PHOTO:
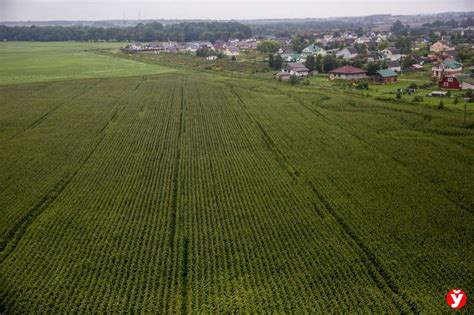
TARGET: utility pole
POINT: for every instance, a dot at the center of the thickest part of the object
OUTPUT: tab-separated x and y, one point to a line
465	114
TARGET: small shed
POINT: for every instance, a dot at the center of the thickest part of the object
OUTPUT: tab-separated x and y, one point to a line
385	76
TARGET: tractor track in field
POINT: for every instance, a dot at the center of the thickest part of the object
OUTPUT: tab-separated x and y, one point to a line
173	244
382	279
48	113
14	235
378	150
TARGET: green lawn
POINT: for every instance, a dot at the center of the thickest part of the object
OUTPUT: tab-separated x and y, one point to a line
389	91
34	62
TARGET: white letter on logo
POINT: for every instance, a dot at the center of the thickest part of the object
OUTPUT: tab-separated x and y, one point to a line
456	298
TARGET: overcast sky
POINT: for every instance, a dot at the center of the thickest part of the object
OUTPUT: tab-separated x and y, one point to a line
42	10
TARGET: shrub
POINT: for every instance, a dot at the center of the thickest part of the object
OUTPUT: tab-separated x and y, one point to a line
294	80
441	105
399	95
413	86
417	98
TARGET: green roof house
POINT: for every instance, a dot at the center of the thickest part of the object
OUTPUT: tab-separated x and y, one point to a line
446	68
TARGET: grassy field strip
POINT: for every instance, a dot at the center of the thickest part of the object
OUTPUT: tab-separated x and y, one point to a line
38	62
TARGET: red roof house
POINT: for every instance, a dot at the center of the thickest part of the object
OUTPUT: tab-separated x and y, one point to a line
347	73
450	83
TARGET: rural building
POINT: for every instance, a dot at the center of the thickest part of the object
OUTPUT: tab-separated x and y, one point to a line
291	57
385	76
373	57
286	51
192	47
449	55
137	46
313	50
231	51
219	45
295	68
395	66
347	53
392	53
450	83
467	81
441	46
282	76
347	73
446	68
416	67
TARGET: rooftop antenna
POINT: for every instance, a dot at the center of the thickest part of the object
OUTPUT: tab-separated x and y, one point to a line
139	16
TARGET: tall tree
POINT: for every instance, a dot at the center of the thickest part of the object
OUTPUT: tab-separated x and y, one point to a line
271	61
298	43
278	62
268	46
310	63
329	62
318	64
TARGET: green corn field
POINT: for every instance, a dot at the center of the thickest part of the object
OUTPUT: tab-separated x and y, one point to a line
188	192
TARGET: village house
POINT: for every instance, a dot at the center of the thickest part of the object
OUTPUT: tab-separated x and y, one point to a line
313	50
282	76
373	57
363	40
446	68
231	51
467	81
136	46
219	45
392	53
450	83
347	53
295	68
291	57
192	47
385	76
156	46
441	46
286	51
449	55
347	73
415	67
395	66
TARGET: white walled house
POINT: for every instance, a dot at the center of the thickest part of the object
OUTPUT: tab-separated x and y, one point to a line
295	68
347	53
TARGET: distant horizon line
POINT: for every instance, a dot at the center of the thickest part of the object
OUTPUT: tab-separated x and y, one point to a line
250	19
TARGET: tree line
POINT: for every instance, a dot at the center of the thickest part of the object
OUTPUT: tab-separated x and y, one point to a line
182	32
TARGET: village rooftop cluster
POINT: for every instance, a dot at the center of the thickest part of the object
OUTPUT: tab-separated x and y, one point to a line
378	56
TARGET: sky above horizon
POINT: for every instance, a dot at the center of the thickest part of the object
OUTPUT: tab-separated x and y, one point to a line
49	10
